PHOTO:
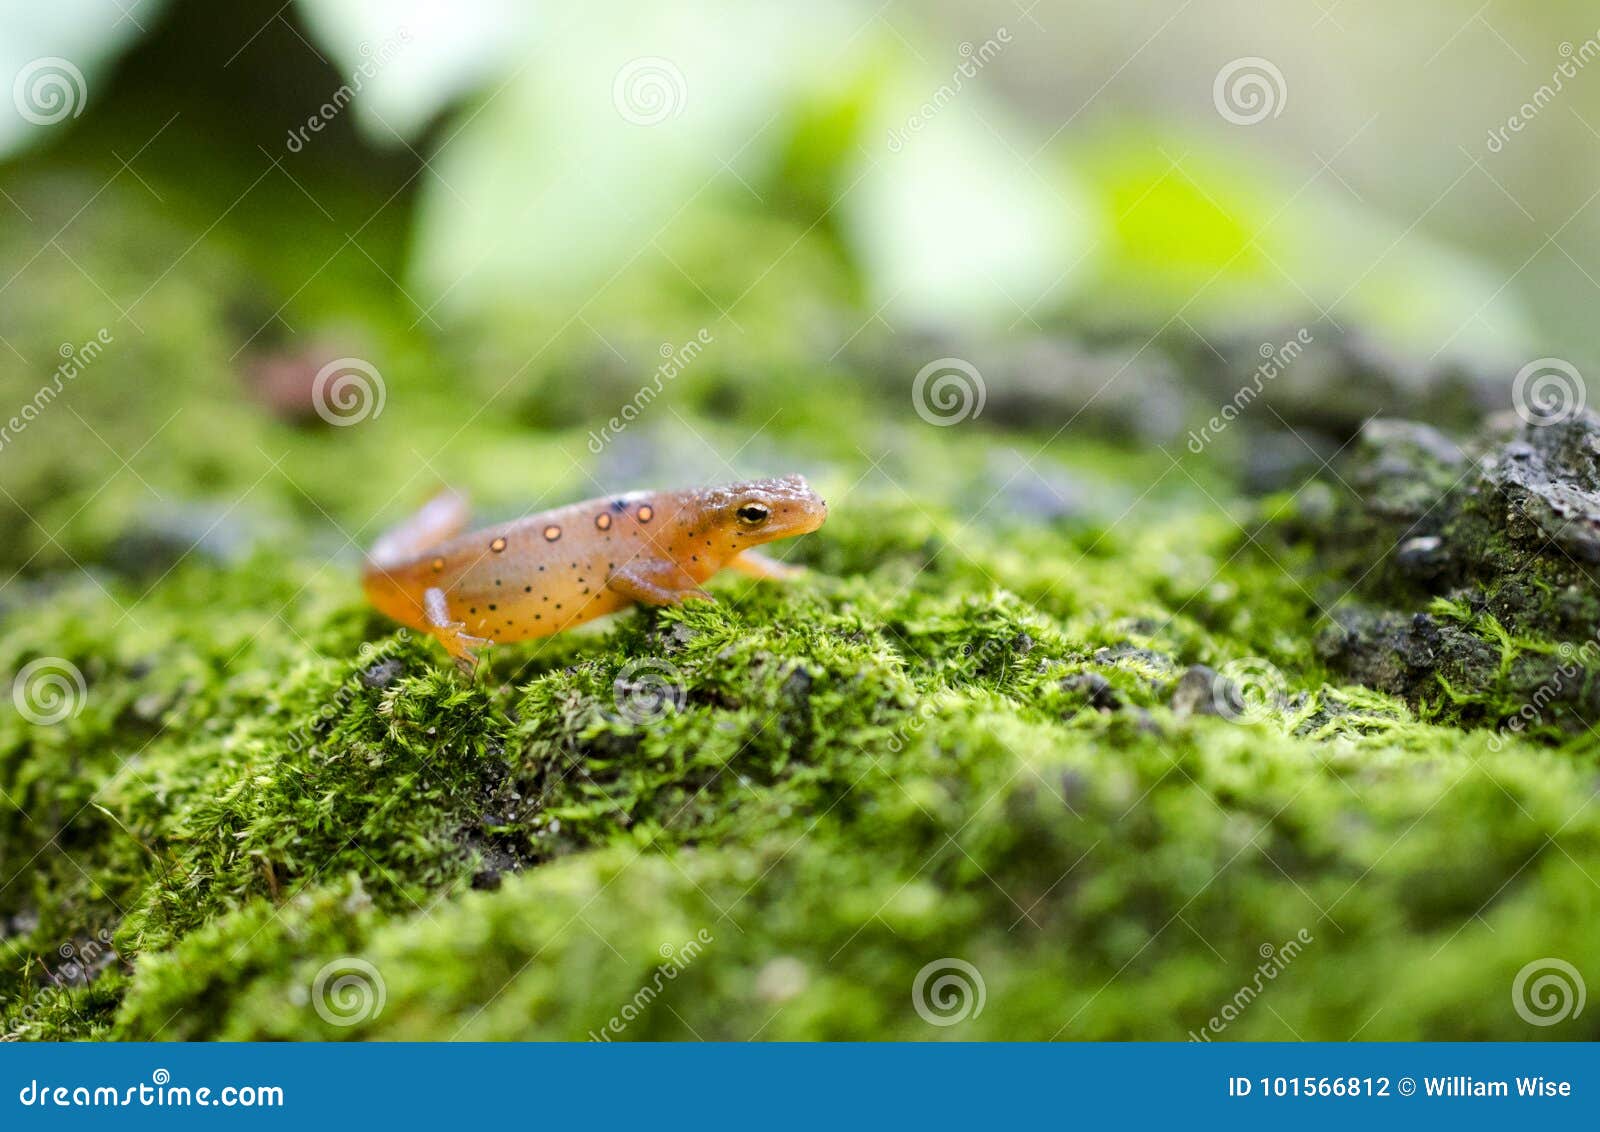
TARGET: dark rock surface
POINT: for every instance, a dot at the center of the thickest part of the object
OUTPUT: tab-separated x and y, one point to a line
1465	572
1197	691
1343	378
1550	477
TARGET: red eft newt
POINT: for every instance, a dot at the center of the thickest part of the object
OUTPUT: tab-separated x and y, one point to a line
547	572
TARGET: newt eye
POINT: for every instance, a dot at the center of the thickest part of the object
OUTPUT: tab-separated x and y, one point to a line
753	514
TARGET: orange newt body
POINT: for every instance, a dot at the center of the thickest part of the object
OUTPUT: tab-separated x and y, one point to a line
548	572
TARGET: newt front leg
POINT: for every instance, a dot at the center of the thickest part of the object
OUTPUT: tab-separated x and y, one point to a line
655	581
452	634
754	564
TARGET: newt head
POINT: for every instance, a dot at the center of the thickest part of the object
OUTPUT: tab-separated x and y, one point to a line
760	511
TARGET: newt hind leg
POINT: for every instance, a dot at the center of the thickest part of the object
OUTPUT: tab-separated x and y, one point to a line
442	517
458	644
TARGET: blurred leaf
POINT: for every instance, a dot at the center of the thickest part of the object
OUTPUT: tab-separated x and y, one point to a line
950	222
1236	244
50	60
448	50
629	119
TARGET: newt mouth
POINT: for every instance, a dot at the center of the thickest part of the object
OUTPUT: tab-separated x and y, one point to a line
796	508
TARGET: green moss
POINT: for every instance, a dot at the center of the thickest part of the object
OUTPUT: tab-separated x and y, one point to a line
956	738
1069	865
860	780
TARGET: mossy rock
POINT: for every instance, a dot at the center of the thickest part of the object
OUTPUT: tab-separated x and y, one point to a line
1045	714
1462	577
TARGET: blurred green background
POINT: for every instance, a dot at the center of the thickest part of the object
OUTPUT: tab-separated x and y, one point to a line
270	273
508	212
